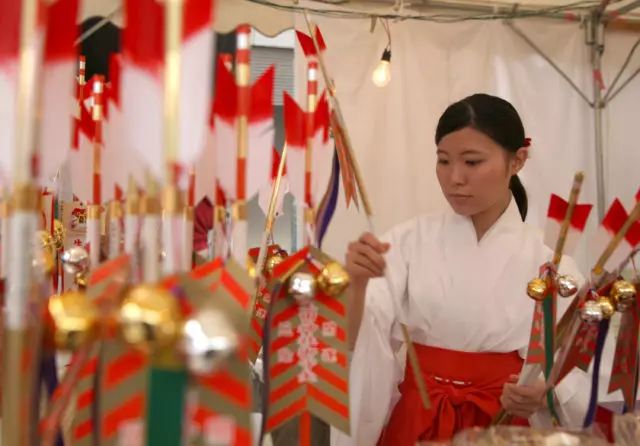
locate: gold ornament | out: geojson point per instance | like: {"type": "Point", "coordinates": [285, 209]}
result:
{"type": "Point", "coordinates": [59, 235]}
{"type": "Point", "coordinates": [607, 307]}
{"type": "Point", "coordinates": [623, 294]}
{"type": "Point", "coordinates": [251, 269]}
{"type": "Point", "coordinates": [44, 256]}
{"type": "Point", "coordinates": [75, 319]}
{"type": "Point", "coordinates": [591, 312]}
{"type": "Point", "coordinates": [75, 260]}
{"type": "Point", "coordinates": [274, 260]}
{"type": "Point", "coordinates": [150, 318]}
{"type": "Point", "coordinates": [208, 340]}
{"type": "Point", "coordinates": [302, 287]}
{"type": "Point", "coordinates": [567, 286]}
{"type": "Point", "coordinates": [333, 279]}
{"type": "Point", "coordinates": [537, 289]}
{"type": "Point", "coordinates": [82, 279]}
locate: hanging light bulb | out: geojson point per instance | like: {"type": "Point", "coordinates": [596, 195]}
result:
{"type": "Point", "coordinates": [382, 74]}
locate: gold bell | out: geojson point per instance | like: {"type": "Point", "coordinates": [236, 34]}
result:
{"type": "Point", "coordinates": [274, 260]}
{"type": "Point", "coordinates": [150, 318]}
{"type": "Point", "coordinates": [82, 279]}
{"type": "Point", "coordinates": [75, 319]}
{"type": "Point", "coordinates": [333, 279]}
{"type": "Point", "coordinates": [607, 307]}
{"type": "Point", "coordinates": [537, 289]}
{"type": "Point", "coordinates": [251, 269]}
{"type": "Point", "coordinates": [59, 235]}
{"type": "Point", "coordinates": [623, 294]}
{"type": "Point", "coordinates": [44, 256]}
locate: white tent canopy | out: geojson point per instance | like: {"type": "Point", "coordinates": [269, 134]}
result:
{"type": "Point", "coordinates": [271, 17]}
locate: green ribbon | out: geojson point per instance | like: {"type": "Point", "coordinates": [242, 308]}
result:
{"type": "Point", "coordinates": [166, 406]}
{"type": "Point", "coordinates": [548, 311]}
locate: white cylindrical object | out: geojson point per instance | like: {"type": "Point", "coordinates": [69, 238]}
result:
{"type": "Point", "coordinates": [171, 243]}
{"type": "Point", "coordinates": [151, 248]}
{"type": "Point", "coordinates": [131, 227]}
{"type": "Point", "coordinates": [187, 243]}
{"type": "Point", "coordinates": [218, 240]}
{"type": "Point", "coordinates": [93, 239]}
{"type": "Point", "coordinates": [4, 246]}
{"type": "Point", "coordinates": [115, 237]}
{"type": "Point", "coordinates": [22, 229]}
{"type": "Point", "coordinates": [240, 230]}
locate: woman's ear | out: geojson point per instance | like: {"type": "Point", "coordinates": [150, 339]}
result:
{"type": "Point", "coordinates": [518, 160]}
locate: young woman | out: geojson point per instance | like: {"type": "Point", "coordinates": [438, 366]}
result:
{"type": "Point", "coordinates": [460, 279]}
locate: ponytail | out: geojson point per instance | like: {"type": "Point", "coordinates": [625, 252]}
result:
{"type": "Point", "coordinates": [520, 195]}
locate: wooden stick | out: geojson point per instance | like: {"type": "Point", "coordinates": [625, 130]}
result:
{"type": "Point", "coordinates": [566, 223]}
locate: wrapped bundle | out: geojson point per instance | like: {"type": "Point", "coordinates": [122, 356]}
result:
{"type": "Point", "coordinates": [522, 436]}
{"type": "Point", "coordinates": [626, 429]}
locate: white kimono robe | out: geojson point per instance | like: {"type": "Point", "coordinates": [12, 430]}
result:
{"type": "Point", "coordinates": [455, 293]}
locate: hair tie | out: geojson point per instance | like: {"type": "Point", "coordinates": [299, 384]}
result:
{"type": "Point", "coordinates": [527, 142]}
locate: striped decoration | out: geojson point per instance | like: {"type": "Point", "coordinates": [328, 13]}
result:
{"type": "Point", "coordinates": [625, 359]}
{"type": "Point", "coordinates": [123, 387]}
{"type": "Point", "coordinates": [106, 283]}
{"type": "Point", "coordinates": [308, 354]}
{"type": "Point", "coordinates": [259, 315]}
{"type": "Point", "coordinates": [535, 352]}
{"type": "Point", "coordinates": [222, 402]}
{"type": "Point", "coordinates": [583, 348]}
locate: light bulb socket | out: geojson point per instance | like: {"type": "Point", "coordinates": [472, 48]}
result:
{"type": "Point", "coordinates": [386, 55]}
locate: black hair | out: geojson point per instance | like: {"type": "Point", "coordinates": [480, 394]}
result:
{"type": "Point", "coordinates": [498, 120]}
{"type": "Point", "coordinates": [97, 48]}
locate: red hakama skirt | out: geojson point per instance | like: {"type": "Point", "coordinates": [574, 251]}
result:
{"type": "Point", "coordinates": [464, 389]}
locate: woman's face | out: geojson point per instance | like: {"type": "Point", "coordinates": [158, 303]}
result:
{"type": "Point", "coordinates": [474, 171]}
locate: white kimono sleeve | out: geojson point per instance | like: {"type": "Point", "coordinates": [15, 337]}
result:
{"type": "Point", "coordinates": [573, 391]}
{"type": "Point", "coordinates": [374, 370]}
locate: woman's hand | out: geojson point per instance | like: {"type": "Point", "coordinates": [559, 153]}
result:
{"type": "Point", "coordinates": [365, 258]}
{"type": "Point", "coordinates": [523, 401]}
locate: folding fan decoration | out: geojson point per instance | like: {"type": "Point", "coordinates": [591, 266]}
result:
{"type": "Point", "coordinates": [308, 354]}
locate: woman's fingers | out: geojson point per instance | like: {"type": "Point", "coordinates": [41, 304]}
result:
{"type": "Point", "coordinates": [361, 266]}
{"type": "Point", "coordinates": [519, 403]}
{"type": "Point", "coordinates": [369, 239]}
{"type": "Point", "coordinates": [365, 257]}
{"type": "Point", "coordinates": [368, 255]}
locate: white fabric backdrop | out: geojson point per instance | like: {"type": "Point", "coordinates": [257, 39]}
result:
{"type": "Point", "coordinates": [392, 128]}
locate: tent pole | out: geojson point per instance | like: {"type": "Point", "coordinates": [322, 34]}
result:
{"type": "Point", "coordinates": [542, 54]}
{"type": "Point", "coordinates": [612, 92]}
{"type": "Point", "coordinates": [595, 40]}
